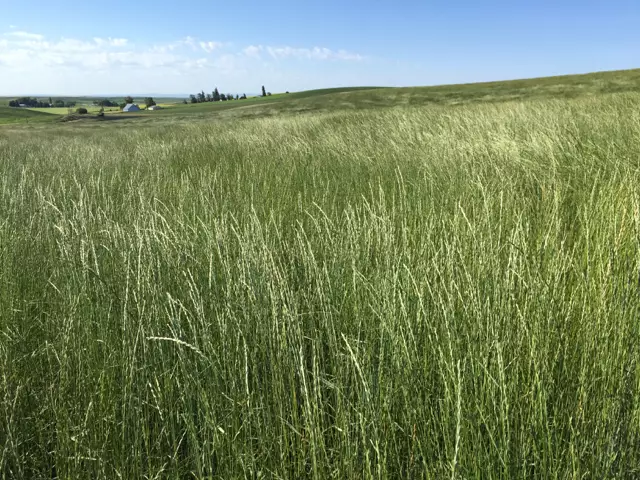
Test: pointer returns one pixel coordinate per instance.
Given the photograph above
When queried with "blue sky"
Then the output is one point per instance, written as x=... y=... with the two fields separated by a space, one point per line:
x=162 y=46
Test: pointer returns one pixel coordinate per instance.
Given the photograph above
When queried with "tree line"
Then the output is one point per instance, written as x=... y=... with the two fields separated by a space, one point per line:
x=214 y=96
x=148 y=101
x=35 y=103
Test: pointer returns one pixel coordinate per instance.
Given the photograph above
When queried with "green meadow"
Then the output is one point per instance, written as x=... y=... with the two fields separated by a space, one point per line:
x=434 y=282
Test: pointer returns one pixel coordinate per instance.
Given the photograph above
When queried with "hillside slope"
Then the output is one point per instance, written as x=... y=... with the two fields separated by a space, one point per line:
x=22 y=115
x=570 y=86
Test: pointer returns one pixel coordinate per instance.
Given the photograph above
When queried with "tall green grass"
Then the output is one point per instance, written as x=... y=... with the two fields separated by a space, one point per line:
x=408 y=293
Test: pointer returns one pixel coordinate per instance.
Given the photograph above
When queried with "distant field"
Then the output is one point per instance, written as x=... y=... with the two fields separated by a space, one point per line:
x=22 y=115
x=419 y=283
x=83 y=101
x=63 y=111
x=331 y=100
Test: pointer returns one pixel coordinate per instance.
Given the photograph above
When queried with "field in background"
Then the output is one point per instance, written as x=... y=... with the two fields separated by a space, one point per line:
x=358 y=98
x=22 y=115
x=409 y=283
x=64 y=110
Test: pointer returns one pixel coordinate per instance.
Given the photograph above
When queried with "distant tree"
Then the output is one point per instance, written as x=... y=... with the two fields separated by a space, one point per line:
x=14 y=103
x=193 y=99
x=58 y=104
x=101 y=112
x=209 y=97
x=128 y=99
x=216 y=95
x=70 y=104
x=229 y=96
x=243 y=97
x=223 y=97
x=269 y=94
x=237 y=97
x=201 y=97
x=122 y=105
x=28 y=102
x=184 y=102
x=50 y=101
x=82 y=111
x=149 y=102
x=287 y=91
x=264 y=92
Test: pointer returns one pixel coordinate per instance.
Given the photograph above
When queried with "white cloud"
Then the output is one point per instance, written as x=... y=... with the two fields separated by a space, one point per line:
x=211 y=46
x=189 y=41
x=316 y=53
x=26 y=35
x=31 y=62
x=253 y=51
x=112 y=42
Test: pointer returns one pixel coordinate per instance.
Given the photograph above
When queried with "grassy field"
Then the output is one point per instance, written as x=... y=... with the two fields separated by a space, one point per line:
x=22 y=115
x=83 y=101
x=64 y=110
x=414 y=291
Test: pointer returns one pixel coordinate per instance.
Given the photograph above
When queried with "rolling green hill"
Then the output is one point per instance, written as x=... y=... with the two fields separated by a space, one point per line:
x=23 y=115
x=351 y=98
x=569 y=86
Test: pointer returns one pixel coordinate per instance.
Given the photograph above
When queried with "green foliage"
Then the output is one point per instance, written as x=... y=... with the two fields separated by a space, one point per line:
x=149 y=102
x=128 y=100
x=28 y=102
x=82 y=111
x=264 y=92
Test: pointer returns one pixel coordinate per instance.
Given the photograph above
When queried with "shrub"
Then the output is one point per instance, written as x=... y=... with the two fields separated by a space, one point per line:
x=82 y=111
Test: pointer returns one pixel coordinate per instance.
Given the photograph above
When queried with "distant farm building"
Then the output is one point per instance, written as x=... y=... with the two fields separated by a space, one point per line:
x=131 y=107
x=154 y=107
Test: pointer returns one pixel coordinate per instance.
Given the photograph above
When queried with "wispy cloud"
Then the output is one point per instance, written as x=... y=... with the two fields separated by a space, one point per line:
x=112 y=42
x=188 y=41
x=253 y=51
x=25 y=35
x=211 y=46
x=26 y=51
x=26 y=55
x=316 y=53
